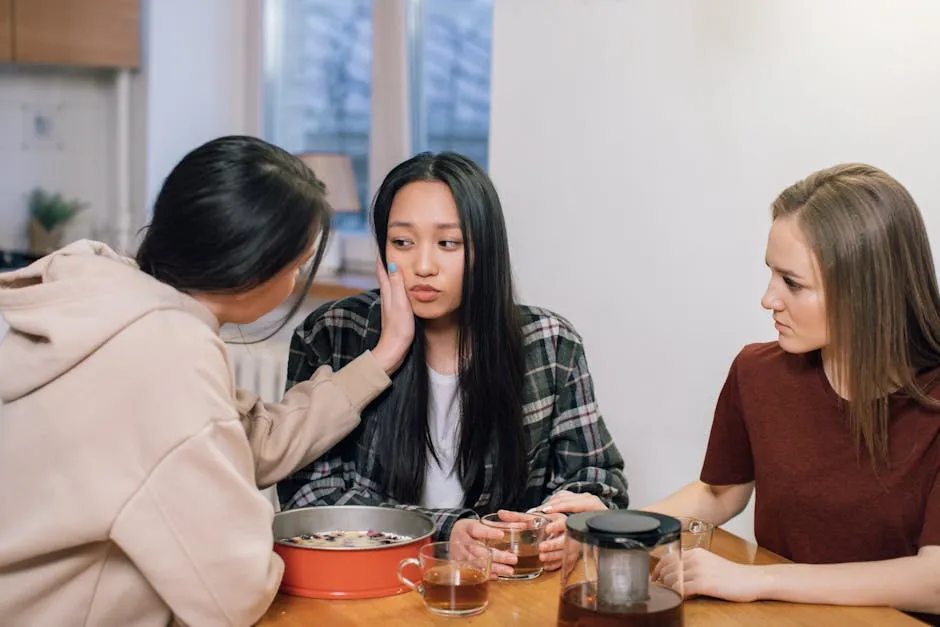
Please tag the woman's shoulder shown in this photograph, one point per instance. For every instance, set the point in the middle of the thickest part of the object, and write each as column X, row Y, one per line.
column 541, row 324
column 761, row 353
column 767, row 360
column 172, row 350
column 351, row 314
column 177, row 371
column 171, row 336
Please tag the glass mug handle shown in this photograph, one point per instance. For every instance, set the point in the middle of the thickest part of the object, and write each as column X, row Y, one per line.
column 419, row 588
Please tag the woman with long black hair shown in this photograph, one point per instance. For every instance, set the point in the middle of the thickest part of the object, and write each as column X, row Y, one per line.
column 493, row 408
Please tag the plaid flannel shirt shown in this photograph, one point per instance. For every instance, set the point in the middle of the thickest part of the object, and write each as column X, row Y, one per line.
column 568, row 445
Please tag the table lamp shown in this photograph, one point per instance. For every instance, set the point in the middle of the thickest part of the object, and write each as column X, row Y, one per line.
column 336, row 171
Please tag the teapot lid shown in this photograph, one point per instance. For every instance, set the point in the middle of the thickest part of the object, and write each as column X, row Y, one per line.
column 623, row 529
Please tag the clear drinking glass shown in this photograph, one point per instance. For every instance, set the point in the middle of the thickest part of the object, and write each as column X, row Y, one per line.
column 522, row 534
column 696, row 533
column 455, row 577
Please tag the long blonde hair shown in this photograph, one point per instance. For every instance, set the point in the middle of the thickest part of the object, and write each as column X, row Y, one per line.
column 882, row 303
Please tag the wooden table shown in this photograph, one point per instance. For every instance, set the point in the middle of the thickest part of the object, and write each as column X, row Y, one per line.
column 535, row 603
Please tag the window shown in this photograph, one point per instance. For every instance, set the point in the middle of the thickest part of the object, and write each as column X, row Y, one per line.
column 318, row 83
column 318, row 80
column 451, row 43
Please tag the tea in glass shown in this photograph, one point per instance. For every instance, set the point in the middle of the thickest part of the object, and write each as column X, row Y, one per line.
column 522, row 534
column 451, row 589
column 454, row 577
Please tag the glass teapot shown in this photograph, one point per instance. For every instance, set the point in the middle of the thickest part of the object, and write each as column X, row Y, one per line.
column 606, row 578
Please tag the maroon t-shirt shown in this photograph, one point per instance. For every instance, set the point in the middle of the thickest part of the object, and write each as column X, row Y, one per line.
column 779, row 423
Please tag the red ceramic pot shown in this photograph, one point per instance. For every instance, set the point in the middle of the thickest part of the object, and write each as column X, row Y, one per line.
column 347, row 572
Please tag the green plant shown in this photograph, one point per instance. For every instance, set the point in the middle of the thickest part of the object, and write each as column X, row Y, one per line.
column 51, row 210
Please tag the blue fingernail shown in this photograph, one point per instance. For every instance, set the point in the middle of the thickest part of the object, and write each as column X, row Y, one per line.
column 393, row 267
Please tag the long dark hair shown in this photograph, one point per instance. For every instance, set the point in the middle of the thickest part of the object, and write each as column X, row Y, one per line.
column 489, row 339
column 231, row 215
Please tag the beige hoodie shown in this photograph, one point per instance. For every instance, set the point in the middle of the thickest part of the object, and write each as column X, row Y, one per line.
column 128, row 460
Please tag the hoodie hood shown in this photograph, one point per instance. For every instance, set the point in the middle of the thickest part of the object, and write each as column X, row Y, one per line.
column 63, row 307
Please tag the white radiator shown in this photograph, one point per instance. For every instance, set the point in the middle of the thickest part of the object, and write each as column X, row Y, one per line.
column 261, row 368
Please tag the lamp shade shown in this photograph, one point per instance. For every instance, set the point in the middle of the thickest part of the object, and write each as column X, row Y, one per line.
column 336, row 171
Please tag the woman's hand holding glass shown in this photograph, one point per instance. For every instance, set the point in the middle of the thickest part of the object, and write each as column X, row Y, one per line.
column 471, row 530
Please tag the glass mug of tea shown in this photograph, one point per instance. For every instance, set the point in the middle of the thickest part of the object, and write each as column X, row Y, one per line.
column 522, row 534
column 455, row 577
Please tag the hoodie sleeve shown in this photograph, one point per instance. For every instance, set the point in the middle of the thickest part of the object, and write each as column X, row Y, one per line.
column 313, row 416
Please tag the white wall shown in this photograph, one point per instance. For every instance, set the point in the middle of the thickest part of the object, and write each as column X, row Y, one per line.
column 203, row 77
column 200, row 78
column 70, row 158
column 637, row 147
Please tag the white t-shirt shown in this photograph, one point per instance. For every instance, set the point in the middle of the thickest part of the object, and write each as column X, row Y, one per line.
column 442, row 487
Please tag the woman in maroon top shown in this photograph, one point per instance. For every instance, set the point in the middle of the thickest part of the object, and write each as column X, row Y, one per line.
column 836, row 424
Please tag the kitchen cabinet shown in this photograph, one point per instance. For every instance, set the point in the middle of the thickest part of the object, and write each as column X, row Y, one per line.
column 6, row 30
column 88, row 33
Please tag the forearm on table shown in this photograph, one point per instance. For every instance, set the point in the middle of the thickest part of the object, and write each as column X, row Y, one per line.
column 907, row 583
column 716, row 504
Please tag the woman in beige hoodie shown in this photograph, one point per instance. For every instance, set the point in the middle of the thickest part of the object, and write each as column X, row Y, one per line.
column 130, row 464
